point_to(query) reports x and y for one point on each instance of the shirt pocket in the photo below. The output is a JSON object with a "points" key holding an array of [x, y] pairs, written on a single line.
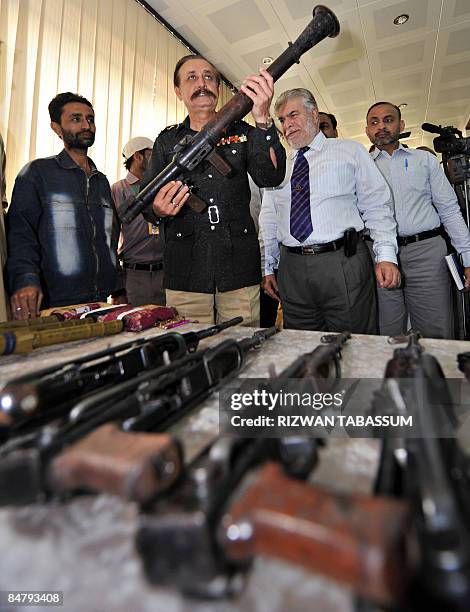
{"points": [[415, 177], [179, 236], [234, 153], [331, 178]]}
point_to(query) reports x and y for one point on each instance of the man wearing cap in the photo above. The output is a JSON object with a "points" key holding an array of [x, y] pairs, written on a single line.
{"points": [[141, 243]]}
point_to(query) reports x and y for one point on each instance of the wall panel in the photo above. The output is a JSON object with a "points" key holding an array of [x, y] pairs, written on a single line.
{"points": [[111, 51]]}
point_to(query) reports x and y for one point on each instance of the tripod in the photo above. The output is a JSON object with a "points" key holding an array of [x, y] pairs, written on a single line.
{"points": [[457, 170]]}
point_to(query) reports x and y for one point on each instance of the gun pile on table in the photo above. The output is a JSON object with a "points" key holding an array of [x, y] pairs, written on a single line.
{"points": [[98, 424]]}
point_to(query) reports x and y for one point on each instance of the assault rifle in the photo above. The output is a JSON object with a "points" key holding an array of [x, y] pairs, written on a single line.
{"points": [[202, 534], [430, 472], [51, 392], [178, 540], [202, 146], [58, 459]]}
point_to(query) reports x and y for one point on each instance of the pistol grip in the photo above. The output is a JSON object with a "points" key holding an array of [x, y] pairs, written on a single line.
{"points": [[136, 466], [355, 539]]}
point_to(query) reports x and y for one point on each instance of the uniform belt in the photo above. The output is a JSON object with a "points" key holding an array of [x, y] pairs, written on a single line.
{"points": [[149, 267], [316, 249], [404, 240]]}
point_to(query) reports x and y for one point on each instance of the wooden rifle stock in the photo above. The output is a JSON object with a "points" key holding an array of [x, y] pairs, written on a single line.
{"points": [[135, 466], [323, 24], [357, 540]]}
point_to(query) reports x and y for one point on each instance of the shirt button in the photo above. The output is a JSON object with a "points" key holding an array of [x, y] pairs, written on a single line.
{"points": [[234, 151], [245, 231], [212, 227], [211, 200], [209, 175], [268, 137]]}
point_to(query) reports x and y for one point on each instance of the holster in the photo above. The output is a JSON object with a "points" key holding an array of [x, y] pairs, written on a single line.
{"points": [[351, 237]]}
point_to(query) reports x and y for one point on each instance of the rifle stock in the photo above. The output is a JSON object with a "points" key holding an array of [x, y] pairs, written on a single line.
{"points": [[323, 24], [357, 540]]}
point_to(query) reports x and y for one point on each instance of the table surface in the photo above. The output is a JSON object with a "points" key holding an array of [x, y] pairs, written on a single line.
{"points": [[85, 546]]}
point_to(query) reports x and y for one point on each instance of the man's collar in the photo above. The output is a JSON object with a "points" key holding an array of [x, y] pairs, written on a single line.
{"points": [[65, 161], [316, 144], [132, 178], [186, 123], [376, 152]]}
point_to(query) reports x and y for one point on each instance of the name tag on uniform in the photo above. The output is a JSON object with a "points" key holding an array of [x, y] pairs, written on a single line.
{"points": [[154, 230]]}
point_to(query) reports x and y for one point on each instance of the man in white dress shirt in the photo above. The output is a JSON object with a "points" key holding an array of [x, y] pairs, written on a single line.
{"points": [[424, 204], [312, 224]]}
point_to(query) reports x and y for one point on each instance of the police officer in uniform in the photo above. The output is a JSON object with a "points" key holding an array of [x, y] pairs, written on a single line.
{"points": [[212, 259]]}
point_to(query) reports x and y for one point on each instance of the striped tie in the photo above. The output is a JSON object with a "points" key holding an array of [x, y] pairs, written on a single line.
{"points": [[300, 217]]}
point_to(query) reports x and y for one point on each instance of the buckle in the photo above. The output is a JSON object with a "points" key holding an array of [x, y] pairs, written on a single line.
{"points": [[308, 250], [213, 209]]}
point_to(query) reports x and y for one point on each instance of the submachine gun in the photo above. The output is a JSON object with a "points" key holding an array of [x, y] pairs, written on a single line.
{"points": [[202, 146], [431, 473]]}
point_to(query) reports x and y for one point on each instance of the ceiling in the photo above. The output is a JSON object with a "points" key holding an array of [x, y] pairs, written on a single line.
{"points": [[425, 62]]}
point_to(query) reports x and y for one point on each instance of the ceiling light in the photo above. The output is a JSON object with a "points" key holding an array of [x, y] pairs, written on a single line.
{"points": [[267, 60], [402, 105], [401, 19]]}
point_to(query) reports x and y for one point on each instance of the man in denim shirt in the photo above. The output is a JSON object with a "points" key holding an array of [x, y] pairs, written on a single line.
{"points": [[62, 224]]}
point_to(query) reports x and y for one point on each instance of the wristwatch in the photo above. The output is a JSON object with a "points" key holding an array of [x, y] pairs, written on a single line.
{"points": [[267, 125]]}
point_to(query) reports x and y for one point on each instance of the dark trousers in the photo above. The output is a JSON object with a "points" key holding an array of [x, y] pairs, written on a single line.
{"points": [[328, 291], [144, 287]]}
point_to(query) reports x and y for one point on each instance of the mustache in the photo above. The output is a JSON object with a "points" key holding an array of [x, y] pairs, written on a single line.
{"points": [[201, 90]]}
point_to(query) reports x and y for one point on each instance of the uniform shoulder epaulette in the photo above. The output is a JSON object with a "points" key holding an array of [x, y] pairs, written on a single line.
{"points": [[169, 127]]}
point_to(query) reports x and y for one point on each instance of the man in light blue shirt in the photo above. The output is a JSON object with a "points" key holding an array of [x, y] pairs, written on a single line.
{"points": [[326, 278], [424, 204]]}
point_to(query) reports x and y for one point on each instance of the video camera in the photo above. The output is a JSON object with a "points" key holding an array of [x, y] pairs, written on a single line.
{"points": [[450, 141]]}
